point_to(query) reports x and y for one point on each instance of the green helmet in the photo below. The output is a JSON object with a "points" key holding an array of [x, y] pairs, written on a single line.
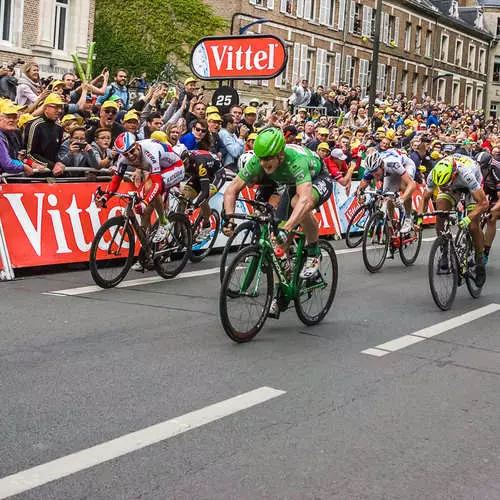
{"points": [[269, 142], [441, 173]]}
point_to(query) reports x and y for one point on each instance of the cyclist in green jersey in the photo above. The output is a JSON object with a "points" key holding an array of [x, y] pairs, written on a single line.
{"points": [[297, 167]]}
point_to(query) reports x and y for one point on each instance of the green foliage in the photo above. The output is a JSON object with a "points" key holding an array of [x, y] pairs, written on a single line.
{"points": [[145, 35]]}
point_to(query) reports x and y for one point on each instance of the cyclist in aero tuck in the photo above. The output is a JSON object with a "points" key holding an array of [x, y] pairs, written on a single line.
{"points": [[300, 169]]}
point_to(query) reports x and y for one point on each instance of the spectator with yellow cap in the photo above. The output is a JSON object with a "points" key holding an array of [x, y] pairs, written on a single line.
{"points": [[131, 122], [214, 121], [250, 141], [107, 115], [69, 122], [11, 161], [249, 118], [44, 136], [322, 135]]}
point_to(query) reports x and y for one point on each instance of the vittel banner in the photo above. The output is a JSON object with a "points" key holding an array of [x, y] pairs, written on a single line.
{"points": [[254, 57]]}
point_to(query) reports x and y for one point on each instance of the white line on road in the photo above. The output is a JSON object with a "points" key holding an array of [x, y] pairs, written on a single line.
{"points": [[431, 331], [90, 457]]}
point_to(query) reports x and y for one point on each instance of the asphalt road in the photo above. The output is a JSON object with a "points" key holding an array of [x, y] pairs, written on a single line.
{"points": [[298, 413]]}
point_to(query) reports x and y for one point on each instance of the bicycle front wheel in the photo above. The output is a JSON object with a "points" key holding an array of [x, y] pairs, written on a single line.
{"points": [[315, 296], [409, 246], [112, 252], [443, 273], [244, 234], [375, 242], [246, 294], [463, 240], [356, 227], [171, 256], [203, 242]]}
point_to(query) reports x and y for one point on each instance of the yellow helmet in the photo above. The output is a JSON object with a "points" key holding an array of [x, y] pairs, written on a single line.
{"points": [[441, 173]]}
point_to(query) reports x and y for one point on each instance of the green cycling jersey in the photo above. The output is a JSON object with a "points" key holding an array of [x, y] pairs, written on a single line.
{"points": [[300, 165]]}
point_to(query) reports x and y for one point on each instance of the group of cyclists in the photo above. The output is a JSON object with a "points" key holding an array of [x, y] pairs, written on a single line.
{"points": [[274, 163]]}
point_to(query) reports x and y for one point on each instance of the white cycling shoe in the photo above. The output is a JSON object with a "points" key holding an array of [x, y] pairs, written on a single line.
{"points": [[311, 268], [161, 234]]}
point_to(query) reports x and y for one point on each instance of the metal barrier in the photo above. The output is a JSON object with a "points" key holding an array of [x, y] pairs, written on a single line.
{"points": [[44, 175]]}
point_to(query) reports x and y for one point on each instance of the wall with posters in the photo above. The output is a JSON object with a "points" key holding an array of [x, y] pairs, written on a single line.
{"points": [[47, 224]]}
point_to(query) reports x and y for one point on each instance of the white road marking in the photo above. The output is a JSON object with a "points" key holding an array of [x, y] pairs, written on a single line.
{"points": [[90, 457], [432, 238], [431, 331]]}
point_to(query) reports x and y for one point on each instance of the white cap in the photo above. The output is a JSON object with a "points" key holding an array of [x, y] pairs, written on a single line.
{"points": [[339, 154]]}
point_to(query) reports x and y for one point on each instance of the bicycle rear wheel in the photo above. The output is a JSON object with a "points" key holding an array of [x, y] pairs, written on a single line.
{"points": [[244, 234], [171, 255], [315, 296], [376, 240], [409, 246], [246, 294], [356, 227], [201, 246], [463, 241], [443, 272], [112, 252]]}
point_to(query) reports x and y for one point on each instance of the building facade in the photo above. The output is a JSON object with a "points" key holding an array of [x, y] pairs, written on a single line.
{"points": [[425, 47], [48, 31]]}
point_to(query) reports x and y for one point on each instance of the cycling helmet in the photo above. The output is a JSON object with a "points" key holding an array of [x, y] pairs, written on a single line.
{"points": [[484, 159], [124, 142], [269, 142], [242, 160], [373, 161], [441, 173]]}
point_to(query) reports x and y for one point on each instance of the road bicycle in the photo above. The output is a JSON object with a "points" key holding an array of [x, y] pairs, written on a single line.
{"points": [[248, 286], [383, 233], [114, 245], [452, 261], [357, 224]]}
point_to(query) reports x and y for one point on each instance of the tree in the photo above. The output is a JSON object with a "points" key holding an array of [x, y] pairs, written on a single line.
{"points": [[147, 35]]}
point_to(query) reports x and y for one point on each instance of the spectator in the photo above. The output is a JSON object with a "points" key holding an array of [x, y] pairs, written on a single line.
{"points": [[142, 84], [10, 160], [76, 152], [28, 86], [249, 118], [107, 115], [69, 122], [69, 80], [334, 162], [173, 134], [131, 122], [214, 125], [237, 113], [290, 134], [185, 95], [44, 136], [101, 148], [301, 94], [153, 124], [249, 143], [317, 98], [8, 84], [232, 147], [119, 88], [321, 136], [308, 135], [193, 140]]}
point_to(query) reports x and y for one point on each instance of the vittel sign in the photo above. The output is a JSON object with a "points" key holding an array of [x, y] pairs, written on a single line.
{"points": [[253, 57]]}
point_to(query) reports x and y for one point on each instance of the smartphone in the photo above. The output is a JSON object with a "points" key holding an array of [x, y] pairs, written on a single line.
{"points": [[82, 145]]}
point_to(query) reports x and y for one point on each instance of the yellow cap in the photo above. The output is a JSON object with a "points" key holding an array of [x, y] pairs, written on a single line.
{"points": [[324, 145], [211, 109], [159, 136], [54, 99], [190, 80], [56, 83], [323, 131], [390, 134], [436, 155], [24, 119], [215, 117], [408, 123], [299, 136], [252, 137], [9, 108], [69, 117], [130, 115], [408, 132], [250, 110], [110, 104], [303, 110]]}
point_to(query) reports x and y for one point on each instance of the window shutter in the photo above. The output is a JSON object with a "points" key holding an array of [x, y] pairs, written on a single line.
{"points": [[341, 21], [392, 86], [331, 12], [347, 71], [396, 31], [365, 30], [385, 28], [283, 6], [265, 83], [351, 17], [307, 9], [363, 76], [253, 2], [303, 62], [300, 8], [323, 11], [270, 4], [296, 62], [336, 73]]}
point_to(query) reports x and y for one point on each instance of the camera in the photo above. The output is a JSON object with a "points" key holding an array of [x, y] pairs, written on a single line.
{"points": [[12, 65]]}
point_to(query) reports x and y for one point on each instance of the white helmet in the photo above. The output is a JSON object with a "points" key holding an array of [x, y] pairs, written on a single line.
{"points": [[242, 160]]}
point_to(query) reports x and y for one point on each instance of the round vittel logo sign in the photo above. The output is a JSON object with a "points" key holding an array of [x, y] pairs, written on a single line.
{"points": [[253, 57]]}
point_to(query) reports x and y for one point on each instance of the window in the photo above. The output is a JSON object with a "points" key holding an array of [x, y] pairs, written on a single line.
{"points": [[482, 61], [498, 26], [310, 10], [459, 48], [455, 93], [418, 39], [331, 13], [428, 43], [363, 75], [443, 53], [350, 69], [493, 110], [309, 64], [425, 84], [468, 96], [441, 90], [281, 80], [6, 17], [60, 24], [355, 18], [404, 81], [414, 85], [372, 27], [479, 98], [286, 7], [472, 57], [330, 64], [408, 36], [393, 30], [496, 69]]}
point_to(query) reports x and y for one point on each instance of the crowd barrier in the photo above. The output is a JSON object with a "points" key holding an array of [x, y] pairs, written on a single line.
{"points": [[45, 224]]}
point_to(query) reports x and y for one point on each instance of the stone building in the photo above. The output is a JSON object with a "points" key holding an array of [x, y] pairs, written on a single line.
{"points": [[47, 31], [425, 46]]}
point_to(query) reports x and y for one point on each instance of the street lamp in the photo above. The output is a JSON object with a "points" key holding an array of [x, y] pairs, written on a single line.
{"points": [[242, 30]]}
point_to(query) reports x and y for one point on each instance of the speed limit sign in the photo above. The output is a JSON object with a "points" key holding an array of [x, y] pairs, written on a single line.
{"points": [[224, 98]]}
